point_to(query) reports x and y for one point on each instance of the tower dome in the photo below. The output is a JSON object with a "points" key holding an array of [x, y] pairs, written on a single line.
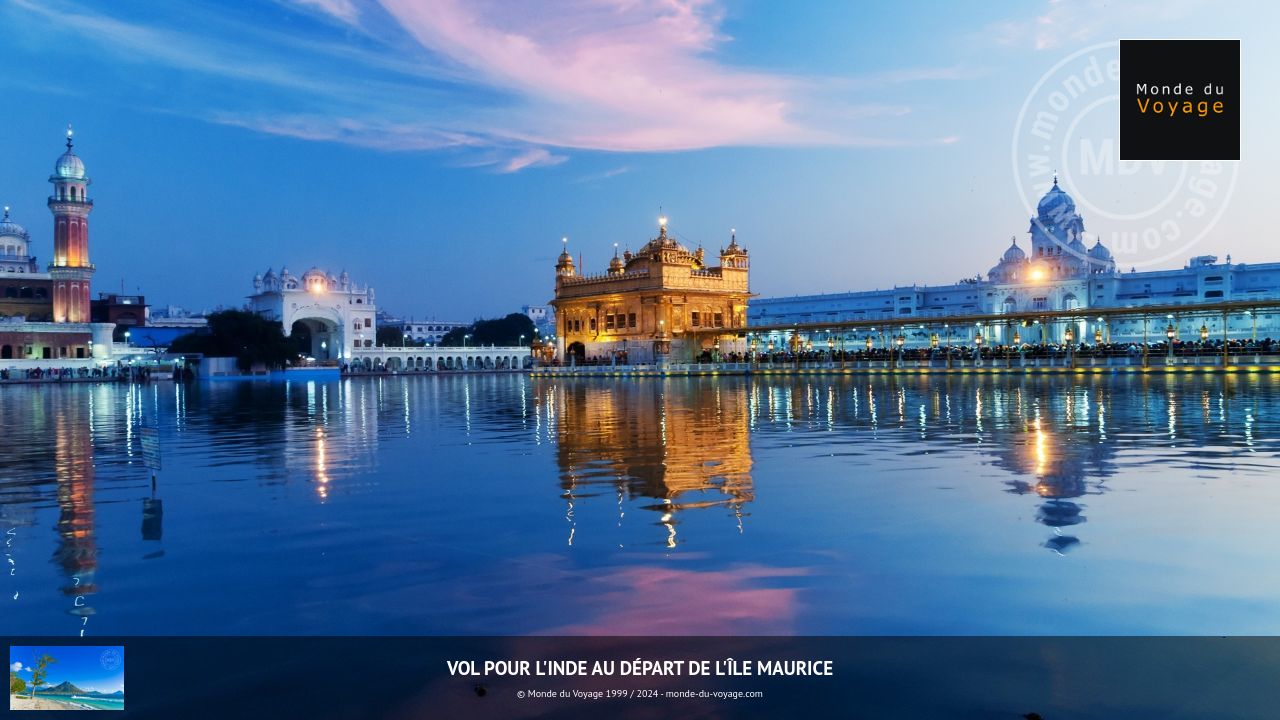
{"points": [[564, 263], [69, 165], [1014, 253], [1056, 203], [9, 228], [1099, 252]]}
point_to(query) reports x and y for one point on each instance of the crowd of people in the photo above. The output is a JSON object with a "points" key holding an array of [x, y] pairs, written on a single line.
{"points": [[968, 353], [965, 353], [118, 372]]}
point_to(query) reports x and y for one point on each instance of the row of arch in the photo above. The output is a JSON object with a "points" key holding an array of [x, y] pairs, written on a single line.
{"points": [[427, 364]]}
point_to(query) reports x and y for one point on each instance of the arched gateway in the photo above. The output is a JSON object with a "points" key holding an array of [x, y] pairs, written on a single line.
{"points": [[329, 316]]}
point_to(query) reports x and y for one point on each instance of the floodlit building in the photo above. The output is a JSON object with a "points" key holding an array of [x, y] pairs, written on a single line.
{"points": [[658, 302], [46, 316], [335, 313]]}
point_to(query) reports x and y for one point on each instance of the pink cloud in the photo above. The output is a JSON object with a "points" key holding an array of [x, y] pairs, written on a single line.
{"points": [[612, 74]]}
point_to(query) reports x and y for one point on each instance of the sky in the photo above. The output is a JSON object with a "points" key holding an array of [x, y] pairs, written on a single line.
{"points": [[439, 150], [82, 666]]}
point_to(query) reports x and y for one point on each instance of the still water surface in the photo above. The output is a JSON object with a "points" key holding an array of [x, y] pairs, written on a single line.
{"points": [[503, 504]]}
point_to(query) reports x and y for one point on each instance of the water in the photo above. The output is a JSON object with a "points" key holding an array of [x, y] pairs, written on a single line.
{"points": [[502, 504], [97, 703]]}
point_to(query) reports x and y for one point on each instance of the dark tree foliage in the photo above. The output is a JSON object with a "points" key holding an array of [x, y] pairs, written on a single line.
{"points": [[248, 337], [499, 331], [389, 336]]}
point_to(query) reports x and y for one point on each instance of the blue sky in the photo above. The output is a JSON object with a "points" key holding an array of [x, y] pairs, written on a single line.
{"points": [[82, 666], [439, 150]]}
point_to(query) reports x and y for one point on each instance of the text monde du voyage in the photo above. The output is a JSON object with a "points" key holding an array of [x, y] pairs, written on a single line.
{"points": [[1180, 99]]}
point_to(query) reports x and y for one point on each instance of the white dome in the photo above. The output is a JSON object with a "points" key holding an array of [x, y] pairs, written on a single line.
{"points": [[69, 166], [9, 228], [1014, 253]]}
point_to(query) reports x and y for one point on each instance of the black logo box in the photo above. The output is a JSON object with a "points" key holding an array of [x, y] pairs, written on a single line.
{"points": [[1178, 72]]}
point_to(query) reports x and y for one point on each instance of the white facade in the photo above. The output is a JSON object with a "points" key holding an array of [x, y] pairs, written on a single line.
{"points": [[339, 315], [1059, 273], [431, 331]]}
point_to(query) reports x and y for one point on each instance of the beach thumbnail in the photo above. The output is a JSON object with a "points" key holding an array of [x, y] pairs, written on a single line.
{"points": [[66, 677]]}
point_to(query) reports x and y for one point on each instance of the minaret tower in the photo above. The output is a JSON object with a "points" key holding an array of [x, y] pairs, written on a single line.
{"points": [[70, 270]]}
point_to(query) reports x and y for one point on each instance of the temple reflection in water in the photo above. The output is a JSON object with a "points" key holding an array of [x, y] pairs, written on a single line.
{"points": [[685, 444], [688, 443]]}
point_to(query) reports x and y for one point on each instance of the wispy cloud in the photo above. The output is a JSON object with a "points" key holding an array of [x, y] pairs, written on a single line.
{"points": [[610, 173], [517, 85], [15, 667], [343, 10], [1065, 22]]}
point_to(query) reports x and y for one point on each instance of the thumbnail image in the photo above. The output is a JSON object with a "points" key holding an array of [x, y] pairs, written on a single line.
{"points": [[66, 677]]}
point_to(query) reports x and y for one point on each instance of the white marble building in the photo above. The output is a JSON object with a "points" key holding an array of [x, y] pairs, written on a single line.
{"points": [[339, 315], [1060, 271]]}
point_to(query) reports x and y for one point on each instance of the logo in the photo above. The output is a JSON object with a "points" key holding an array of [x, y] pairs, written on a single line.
{"points": [[1180, 99], [1144, 212], [110, 659]]}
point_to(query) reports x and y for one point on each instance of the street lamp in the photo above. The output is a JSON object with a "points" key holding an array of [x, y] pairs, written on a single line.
{"points": [[1171, 332], [1069, 336], [465, 338], [977, 355]]}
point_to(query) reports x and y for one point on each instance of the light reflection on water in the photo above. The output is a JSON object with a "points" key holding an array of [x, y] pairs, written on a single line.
{"points": [[503, 504]]}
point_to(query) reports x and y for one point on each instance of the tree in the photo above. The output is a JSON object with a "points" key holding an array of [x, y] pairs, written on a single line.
{"points": [[389, 336], [40, 672], [16, 684], [498, 331], [248, 337]]}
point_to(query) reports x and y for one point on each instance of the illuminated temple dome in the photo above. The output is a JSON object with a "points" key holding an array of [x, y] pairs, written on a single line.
{"points": [[69, 165], [664, 248]]}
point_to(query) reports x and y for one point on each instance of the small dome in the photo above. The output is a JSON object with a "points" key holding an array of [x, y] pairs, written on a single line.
{"points": [[271, 275], [1056, 203], [1099, 251], [565, 258], [1014, 253], [616, 263], [314, 273], [69, 167], [9, 228], [1076, 245]]}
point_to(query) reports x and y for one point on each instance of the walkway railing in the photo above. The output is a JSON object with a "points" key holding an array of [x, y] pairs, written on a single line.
{"points": [[1052, 363]]}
